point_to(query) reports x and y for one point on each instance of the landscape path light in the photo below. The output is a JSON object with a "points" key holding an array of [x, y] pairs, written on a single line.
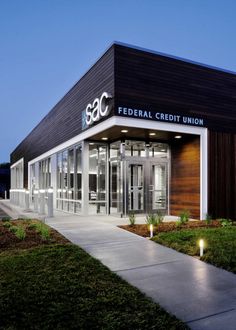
{"points": [[151, 230], [201, 245]]}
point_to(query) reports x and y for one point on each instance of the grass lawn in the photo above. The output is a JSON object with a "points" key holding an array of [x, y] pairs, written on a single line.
{"points": [[62, 287], [220, 244]]}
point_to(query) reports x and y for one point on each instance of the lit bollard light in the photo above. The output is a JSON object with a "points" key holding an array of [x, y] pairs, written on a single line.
{"points": [[36, 200], [26, 199], [41, 201], [201, 245], [151, 230], [50, 202]]}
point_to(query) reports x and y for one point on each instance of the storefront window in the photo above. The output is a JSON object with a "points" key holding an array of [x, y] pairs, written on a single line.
{"points": [[69, 184], [45, 173], [78, 179], [115, 149], [97, 178], [158, 150], [135, 149], [17, 174]]}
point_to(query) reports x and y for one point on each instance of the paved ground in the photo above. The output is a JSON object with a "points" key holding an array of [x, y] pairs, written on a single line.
{"points": [[201, 295]]}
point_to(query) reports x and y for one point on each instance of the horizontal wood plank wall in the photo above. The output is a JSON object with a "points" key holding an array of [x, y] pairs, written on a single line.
{"points": [[185, 177], [153, 82], [222, 175], [64, 121]]}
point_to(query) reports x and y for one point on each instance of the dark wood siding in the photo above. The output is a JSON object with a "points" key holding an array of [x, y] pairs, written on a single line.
{"points": [[64, 120], [222, 174], [149, 81], [185, 177]]}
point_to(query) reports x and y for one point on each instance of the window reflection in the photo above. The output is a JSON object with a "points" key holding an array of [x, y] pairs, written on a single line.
{"points": [[97, 178], [135, 148], [68, 184], [45, 173]]}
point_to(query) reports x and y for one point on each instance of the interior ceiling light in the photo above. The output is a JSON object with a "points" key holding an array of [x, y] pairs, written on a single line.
{"points": [[124, 131], [104, 138], [178, 136], [91, 143], [152, 134]]}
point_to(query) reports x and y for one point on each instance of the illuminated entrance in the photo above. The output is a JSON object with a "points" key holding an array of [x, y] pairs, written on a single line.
{"points": [[139, 177], [146, 185]]}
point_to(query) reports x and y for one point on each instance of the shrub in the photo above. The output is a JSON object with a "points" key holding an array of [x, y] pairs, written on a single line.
{"points": [[151, 219], [184, 216], [208, 219], [20, 233], [45, 233], [7, 224], [13, 229], [225, 222], [132, 219], [32, 226], [159, 217], [27, 221], [178, 223], [43, 230], [6, 219]]}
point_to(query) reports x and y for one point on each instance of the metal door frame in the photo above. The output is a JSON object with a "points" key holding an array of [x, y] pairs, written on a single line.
{"points": [[147, 164], [152, 163]]}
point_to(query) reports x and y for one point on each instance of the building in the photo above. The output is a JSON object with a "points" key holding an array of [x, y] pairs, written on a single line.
{"points": [[139, 132], [4, 180]]}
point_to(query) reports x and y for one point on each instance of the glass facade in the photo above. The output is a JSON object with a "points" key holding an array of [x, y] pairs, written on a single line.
{"points": [[17, 175], [97, 178], [44, 173], [69, 178], [135, 149]]}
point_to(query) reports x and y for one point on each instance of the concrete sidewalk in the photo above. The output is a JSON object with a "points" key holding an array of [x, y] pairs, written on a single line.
{"points": [[201, 295], [3, 214]]}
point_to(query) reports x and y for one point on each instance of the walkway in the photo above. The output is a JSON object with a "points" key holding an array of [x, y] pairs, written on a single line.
{"points": [[3, 214], [201, 295]]}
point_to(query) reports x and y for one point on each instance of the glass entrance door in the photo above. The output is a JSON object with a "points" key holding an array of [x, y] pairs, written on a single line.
{"points": [[116, 187], [146, 187], [136, 187], [158, 187], [138, 177]]}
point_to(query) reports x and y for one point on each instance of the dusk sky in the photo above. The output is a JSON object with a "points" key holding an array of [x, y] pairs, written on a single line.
{"points": [[47, 45]]}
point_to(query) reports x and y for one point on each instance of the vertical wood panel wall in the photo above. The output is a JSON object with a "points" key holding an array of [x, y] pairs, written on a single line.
{"points": [[146, 80], [222, 174], [185, 177]]}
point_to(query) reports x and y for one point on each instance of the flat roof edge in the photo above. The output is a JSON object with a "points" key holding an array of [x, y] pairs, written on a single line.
{"points": [[171, 56]]}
